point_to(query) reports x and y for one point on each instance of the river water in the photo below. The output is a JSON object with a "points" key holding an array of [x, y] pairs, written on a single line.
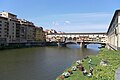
{"points": [[41, 63]]}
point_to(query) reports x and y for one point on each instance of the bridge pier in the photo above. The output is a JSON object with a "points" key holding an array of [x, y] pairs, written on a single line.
{"points": [[83, 45], [58, 44]]}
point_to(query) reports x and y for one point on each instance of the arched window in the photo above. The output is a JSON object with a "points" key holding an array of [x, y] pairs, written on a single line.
{"points": [[70, 38], [74, 38]]}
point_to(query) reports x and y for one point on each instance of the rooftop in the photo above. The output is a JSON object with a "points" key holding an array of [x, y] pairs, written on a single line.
{"points": [[116, 12]]}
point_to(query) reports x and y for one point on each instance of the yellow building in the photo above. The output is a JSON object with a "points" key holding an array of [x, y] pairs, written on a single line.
{"points": [[39, 34]]}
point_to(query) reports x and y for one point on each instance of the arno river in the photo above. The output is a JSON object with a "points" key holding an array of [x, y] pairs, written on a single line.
{"points": [[41, 63]]}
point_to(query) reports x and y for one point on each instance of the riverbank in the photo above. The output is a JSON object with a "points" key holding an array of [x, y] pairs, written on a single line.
{"points": [[22, 45], [28, 44], [104, 66]]}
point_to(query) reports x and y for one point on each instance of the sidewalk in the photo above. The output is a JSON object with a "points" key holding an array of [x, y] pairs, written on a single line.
{"points": [[117, 74]]}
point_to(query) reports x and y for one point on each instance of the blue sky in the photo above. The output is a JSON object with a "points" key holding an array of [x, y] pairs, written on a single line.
{"points": [[65, 15]]}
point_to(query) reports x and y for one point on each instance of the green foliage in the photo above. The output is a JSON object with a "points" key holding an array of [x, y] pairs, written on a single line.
{"points": [[99, 72], [107, 72]]}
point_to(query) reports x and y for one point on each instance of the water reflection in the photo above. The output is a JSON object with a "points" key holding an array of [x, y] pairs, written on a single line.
{"points": [[73, 46], [43, 63], [89, 46], [94, 46]]}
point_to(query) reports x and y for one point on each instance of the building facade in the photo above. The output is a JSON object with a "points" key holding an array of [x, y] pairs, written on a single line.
{"points": [[4, 30], [114, 31], [27, 30], [39, 34], [14, 30]]}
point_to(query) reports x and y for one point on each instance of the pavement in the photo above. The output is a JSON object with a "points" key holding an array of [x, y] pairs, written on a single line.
{"points": [[117, 74]]}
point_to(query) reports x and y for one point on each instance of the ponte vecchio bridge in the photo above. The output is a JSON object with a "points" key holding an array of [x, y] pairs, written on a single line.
{"points": [[82, 38], [111, 37]]}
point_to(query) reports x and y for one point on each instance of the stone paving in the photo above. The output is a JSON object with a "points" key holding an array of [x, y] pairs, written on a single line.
{"points": [[117, 74]]}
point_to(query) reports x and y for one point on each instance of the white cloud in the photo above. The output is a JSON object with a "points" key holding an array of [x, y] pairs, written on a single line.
{"points": [[83, 28], [55, 23], [81, 22], [67, 22]]}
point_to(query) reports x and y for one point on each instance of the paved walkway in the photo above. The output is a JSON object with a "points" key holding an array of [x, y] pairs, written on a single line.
{"points": [[117, 74]]}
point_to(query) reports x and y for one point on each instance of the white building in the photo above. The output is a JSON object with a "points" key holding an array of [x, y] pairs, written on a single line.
{"points": [[114, 31]]}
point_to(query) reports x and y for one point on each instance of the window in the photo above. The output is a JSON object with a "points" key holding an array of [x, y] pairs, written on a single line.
{"points": [[5, 28], [0, 24], [5, 22], [0, 21]]}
